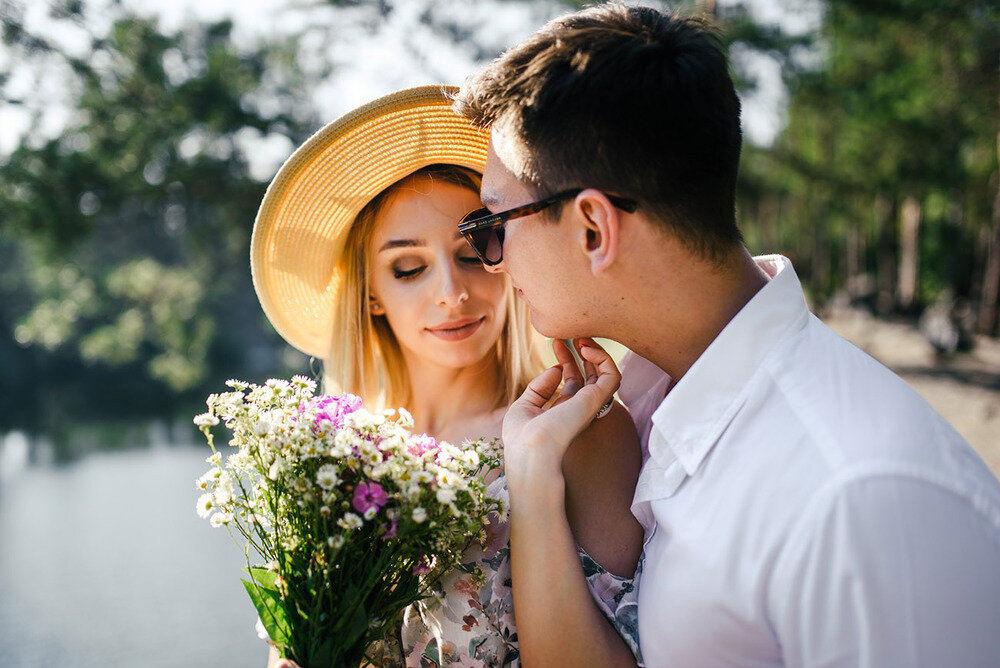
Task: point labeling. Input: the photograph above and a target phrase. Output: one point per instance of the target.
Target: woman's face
(443, 307)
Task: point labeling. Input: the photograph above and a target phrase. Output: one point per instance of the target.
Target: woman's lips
(457, 330)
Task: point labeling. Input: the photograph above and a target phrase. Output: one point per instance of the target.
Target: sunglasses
(485, 231)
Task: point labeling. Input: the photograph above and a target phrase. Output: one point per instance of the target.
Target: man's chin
(552, 330)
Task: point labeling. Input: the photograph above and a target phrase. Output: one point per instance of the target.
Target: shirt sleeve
(616, 598)
(889, 571)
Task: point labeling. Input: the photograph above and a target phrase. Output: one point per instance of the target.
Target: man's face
(538, 253)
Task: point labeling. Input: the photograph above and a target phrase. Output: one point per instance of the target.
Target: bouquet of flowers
(351, 516)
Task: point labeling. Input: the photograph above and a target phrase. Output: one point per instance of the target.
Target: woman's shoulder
(611, 437)
(601, 469)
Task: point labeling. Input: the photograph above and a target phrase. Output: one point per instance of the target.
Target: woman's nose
(452, 290)
(495, 268)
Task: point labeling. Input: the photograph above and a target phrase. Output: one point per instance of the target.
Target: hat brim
(303, 220)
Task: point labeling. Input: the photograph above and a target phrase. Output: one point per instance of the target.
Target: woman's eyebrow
(401, 243)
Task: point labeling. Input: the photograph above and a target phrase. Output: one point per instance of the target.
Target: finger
(572, 378)
(540, 389)
(608, 377)
(603, 362)
(589, 369)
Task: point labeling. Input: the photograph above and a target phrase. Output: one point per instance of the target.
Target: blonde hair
(365, 358)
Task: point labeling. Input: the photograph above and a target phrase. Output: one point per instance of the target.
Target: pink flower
(423, 568)
(332, 408)
(390, 529)
(422, 443)
(369, 495)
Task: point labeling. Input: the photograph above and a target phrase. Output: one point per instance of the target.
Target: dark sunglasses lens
(488, 243)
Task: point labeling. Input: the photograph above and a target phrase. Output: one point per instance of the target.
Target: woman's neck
(443, 400)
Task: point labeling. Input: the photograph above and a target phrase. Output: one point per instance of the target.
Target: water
(103, 562)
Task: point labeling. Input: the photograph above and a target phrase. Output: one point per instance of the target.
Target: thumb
(539, 390)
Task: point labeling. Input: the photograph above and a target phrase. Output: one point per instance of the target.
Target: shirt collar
(701, 405)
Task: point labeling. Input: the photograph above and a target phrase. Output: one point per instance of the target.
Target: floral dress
(471, 621)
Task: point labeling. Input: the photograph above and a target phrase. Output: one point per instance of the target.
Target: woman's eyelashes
(407, 273)
(404, 271)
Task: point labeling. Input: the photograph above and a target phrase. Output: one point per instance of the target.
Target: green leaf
(271, 611)
(353, 622)
(323, 655)
(263, 577)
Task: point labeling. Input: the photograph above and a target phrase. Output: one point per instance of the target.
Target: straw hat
(303, 221)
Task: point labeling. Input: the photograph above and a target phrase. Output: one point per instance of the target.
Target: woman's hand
(558, 621)
(539, 426)
(274, 660)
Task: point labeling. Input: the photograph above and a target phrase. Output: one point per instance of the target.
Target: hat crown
(310, 205)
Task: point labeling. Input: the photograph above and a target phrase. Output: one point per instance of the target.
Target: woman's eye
(406, 273)
(471, 259)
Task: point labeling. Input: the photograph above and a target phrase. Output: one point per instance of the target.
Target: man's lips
(456, 330)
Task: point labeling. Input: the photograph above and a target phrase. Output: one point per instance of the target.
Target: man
(802, 505)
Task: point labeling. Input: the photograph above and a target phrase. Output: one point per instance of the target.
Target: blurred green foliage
(126, 237)
(903, 107)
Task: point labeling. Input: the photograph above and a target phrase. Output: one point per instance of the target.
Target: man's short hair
(628, 100)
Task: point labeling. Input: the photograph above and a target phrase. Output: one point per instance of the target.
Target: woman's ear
(375, 306)
(599, 231)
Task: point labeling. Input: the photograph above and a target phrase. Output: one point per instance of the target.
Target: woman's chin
(455, 356)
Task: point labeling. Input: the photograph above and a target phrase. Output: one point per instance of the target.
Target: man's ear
(599, 233)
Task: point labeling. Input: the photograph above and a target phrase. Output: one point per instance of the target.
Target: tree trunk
(886, 268)
(991, 274)
(821, 257)
(909, 253)
(767, 222)
(956, 265)
(857, 284)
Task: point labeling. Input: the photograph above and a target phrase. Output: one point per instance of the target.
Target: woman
(356, 259)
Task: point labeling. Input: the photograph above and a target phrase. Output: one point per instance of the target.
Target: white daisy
(221, 519)
(205, 420)
(350, 521)
(205, 505)
(326, 476)
(405, 419)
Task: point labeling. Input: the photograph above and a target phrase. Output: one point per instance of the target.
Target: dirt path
(964, 388)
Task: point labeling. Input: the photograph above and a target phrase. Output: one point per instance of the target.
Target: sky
(370, 56)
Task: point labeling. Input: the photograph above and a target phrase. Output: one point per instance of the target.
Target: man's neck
(672, 326)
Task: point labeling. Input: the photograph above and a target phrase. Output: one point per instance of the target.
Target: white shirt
(804, 507)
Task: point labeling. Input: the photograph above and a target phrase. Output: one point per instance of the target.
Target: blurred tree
(127, 234)
(888, 162)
